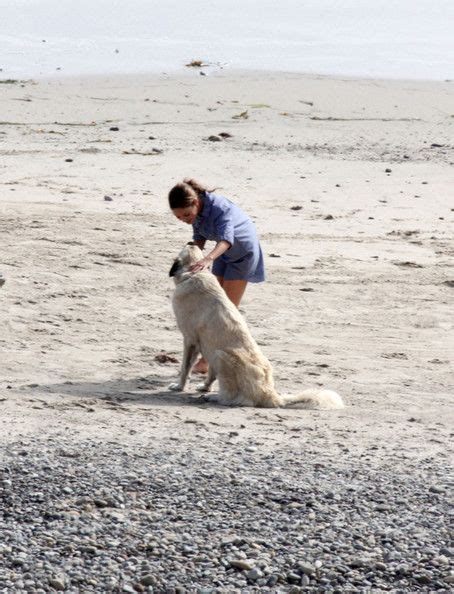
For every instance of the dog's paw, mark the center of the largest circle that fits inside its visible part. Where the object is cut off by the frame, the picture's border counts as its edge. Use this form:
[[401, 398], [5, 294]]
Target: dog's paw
[[175, 387], [203, 387]]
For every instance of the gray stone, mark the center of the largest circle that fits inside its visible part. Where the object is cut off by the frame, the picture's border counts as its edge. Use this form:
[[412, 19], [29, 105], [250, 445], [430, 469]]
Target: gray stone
[[306, 568], [242, 564], [57, 583], [254, 574]]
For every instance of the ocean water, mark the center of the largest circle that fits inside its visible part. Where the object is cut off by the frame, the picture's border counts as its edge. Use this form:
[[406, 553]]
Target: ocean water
[[411, 39]]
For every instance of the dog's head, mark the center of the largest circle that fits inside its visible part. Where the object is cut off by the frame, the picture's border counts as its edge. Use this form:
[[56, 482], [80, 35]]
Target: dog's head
[[188, 256]]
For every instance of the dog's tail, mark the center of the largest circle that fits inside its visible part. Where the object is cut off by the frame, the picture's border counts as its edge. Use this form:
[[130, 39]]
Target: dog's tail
[[315, 399]]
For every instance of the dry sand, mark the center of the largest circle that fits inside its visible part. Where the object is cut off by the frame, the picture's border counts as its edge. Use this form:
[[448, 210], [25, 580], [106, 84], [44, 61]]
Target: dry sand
[[350, 185]]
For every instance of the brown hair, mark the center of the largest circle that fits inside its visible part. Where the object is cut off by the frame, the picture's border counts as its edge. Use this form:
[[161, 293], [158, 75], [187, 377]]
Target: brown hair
[[183, 194]]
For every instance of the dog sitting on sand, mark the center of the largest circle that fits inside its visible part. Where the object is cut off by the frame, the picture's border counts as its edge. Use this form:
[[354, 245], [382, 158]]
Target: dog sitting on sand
[[213, 326]]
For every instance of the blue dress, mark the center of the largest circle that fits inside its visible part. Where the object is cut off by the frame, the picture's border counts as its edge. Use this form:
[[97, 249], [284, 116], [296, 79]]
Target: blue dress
[[220, 219]]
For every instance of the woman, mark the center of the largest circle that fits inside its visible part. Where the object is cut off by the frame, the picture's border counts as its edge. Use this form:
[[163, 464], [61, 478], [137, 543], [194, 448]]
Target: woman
[[237, 257]]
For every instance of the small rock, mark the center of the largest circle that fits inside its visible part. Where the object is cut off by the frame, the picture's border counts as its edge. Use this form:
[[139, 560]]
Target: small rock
[[382, 507], [148, 580], [272, 580], [68, 160], [306, 568], [448, 552], [254, 574], [108, 198], [214, 138], [57, 584], [242, 564], [424, 579], [114, 129], [388, 170], [293, 578]]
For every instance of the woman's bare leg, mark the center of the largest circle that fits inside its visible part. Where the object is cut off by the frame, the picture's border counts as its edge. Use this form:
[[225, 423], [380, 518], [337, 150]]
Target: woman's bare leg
[[234, 290]]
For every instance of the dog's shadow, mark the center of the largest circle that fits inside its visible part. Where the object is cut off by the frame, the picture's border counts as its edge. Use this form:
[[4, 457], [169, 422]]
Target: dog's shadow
[[145, 390]]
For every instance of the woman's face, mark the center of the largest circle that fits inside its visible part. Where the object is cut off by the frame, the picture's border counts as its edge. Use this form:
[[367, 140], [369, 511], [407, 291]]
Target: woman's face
[[188, 214]]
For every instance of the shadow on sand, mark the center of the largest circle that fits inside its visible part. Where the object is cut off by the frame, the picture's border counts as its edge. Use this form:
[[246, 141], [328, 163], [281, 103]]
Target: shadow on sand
[[150, 390]]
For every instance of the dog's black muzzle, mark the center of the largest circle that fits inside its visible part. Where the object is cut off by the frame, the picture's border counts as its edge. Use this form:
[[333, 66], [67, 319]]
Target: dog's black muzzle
[[175, 267]]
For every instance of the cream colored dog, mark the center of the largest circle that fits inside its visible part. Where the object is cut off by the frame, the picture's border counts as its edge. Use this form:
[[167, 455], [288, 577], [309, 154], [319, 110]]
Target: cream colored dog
[[213, 326]]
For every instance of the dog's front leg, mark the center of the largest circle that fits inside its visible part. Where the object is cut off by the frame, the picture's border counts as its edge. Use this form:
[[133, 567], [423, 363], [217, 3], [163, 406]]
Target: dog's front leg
[[190, 352]]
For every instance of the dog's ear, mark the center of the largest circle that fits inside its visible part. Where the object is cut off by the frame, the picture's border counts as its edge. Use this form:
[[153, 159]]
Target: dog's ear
[[176, 266]]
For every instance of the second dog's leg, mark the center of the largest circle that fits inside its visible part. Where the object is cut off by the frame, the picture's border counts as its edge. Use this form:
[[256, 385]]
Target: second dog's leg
[[190, 352]]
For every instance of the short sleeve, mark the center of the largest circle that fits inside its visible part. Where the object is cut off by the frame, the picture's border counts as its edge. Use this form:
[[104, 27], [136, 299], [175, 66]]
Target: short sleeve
[[224, 227]]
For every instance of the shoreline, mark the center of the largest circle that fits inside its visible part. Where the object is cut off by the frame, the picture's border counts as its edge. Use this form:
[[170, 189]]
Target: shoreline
[[185, 72]]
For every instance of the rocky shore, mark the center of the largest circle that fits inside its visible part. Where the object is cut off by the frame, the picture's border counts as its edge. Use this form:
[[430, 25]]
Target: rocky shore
[[219, 517]]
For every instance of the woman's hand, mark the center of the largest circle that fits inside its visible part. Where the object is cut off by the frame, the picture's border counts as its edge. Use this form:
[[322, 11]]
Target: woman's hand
[[202, 264]]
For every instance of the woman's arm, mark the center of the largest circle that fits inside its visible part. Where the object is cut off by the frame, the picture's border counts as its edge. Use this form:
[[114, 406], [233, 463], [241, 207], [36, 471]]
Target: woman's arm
[[221, 247]]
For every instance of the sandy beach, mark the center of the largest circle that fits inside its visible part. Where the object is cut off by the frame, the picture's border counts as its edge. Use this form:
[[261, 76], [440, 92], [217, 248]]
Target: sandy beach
[[349, 183]]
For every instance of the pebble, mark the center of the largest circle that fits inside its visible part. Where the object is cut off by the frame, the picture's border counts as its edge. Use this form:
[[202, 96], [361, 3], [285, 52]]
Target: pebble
[[306, 568], [241, 564], [254, 574], [57, 584], [293, 578]]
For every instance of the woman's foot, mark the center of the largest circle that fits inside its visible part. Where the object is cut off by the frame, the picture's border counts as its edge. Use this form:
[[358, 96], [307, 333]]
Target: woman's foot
[[201, 366]]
